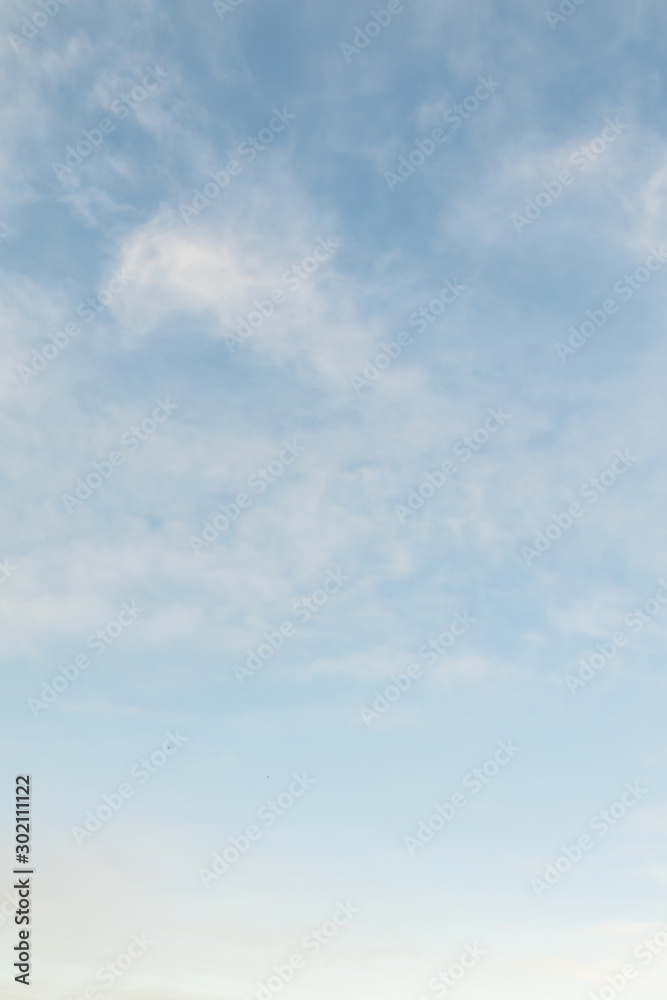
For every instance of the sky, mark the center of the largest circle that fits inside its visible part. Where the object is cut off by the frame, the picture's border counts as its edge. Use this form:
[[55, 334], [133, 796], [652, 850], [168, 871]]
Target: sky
[[332, 581]]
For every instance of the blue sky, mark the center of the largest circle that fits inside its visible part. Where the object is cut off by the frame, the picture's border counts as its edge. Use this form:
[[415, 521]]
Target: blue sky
[[393, 330]]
